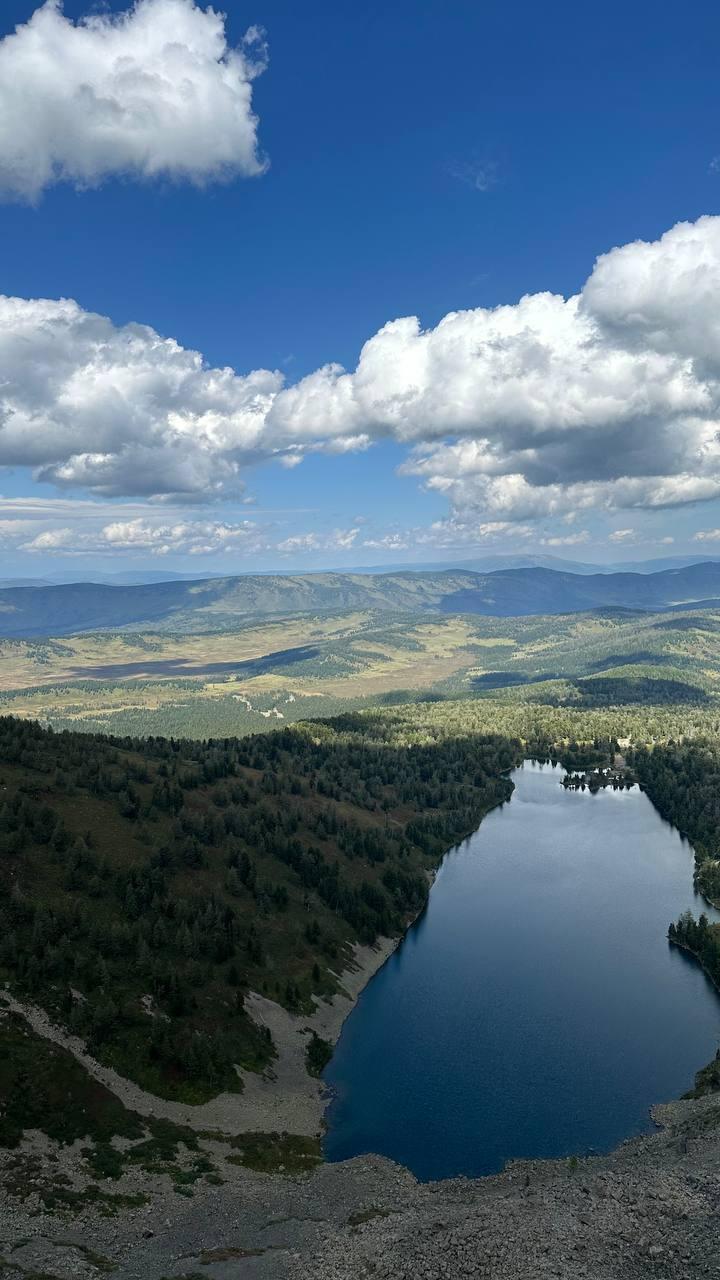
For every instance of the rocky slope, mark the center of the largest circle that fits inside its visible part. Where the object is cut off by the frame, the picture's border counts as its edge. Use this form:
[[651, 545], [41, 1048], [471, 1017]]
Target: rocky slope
[[649, 1210]]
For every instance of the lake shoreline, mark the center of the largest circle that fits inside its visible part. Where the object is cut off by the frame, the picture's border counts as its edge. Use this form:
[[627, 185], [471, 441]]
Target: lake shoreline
[[644, 1208], [284, 1098], [647, 1208], [287, 1098], [363, 1084], [291, 1032]]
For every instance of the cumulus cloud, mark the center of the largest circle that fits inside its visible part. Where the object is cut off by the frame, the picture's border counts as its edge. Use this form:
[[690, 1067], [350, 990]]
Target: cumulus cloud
[[122, 529], [608, 399], [567, 539], [336, 540], [452, 534], [517, 498], [389, 542], [124, 411], [707, 535], [152, 92], [157, 539], [194, 538], [550, 407], [53, 540], [622, 535], [121, 411]]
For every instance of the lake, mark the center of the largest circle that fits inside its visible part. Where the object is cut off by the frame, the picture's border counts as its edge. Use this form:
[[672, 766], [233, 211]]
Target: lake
[[535, 1009]]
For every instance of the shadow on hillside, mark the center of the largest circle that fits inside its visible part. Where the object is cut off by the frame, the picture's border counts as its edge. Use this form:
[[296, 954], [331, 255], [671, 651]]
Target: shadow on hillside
[[186, 667]]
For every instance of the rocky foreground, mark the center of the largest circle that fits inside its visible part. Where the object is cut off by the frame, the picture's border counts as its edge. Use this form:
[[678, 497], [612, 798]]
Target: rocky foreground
[[651, 1209]]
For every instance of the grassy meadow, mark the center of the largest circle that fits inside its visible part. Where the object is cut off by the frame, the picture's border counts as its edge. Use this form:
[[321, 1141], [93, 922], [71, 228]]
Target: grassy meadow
[[264, 675]]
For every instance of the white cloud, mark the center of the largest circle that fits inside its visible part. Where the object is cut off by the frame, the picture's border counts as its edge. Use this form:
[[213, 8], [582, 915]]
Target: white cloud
[[151, 92], [707, 535], [190, 537], [389, 542], [451, 534], [53, 540], [77, 527], [609, 400], [567, 539], [516, 498], [150, 535], [622, 535], [337, 540], [138, 535], [122, 411]]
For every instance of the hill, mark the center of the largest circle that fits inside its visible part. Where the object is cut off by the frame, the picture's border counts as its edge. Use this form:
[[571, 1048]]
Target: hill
[[214, 603], [209, 604], [520, 592], [152, 891], [268, 673], [145, 888]]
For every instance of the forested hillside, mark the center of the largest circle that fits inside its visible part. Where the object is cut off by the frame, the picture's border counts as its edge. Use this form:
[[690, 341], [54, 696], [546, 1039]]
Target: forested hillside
[[683, 782], [146, 886], [213, 604]]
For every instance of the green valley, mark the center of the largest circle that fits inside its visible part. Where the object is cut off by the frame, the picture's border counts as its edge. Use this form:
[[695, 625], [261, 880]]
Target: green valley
[[242, 680]]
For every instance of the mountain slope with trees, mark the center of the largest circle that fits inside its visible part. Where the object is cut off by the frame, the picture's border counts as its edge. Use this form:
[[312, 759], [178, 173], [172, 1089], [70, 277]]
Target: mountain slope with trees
[[213, 603], [146, 887]]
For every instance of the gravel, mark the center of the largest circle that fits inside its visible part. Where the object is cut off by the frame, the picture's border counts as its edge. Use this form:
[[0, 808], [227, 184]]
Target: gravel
[[651, 1209]]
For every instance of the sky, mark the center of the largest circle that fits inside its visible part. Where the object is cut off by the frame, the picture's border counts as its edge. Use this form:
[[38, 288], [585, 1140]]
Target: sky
[[331, 285]]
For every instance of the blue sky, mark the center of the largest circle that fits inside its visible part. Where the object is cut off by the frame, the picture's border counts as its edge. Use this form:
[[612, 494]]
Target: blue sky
[[422, 158]]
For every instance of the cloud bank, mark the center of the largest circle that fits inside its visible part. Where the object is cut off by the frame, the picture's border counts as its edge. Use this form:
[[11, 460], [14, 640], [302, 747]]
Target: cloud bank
[[548, 407], [68, 527], [195, 538], [179, 537], [152, 92]]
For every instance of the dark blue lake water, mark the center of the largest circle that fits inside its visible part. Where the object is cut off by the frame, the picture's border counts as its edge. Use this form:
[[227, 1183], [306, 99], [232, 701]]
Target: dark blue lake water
[[535, 1009]]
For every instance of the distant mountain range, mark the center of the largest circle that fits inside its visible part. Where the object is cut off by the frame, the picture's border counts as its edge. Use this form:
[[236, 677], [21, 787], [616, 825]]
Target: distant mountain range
[[129, 578], [214, 603], [491, 564], [478, 564]]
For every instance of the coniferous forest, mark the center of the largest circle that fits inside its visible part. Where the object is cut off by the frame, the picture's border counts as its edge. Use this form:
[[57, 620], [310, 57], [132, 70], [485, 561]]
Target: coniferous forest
[[145, 887]]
